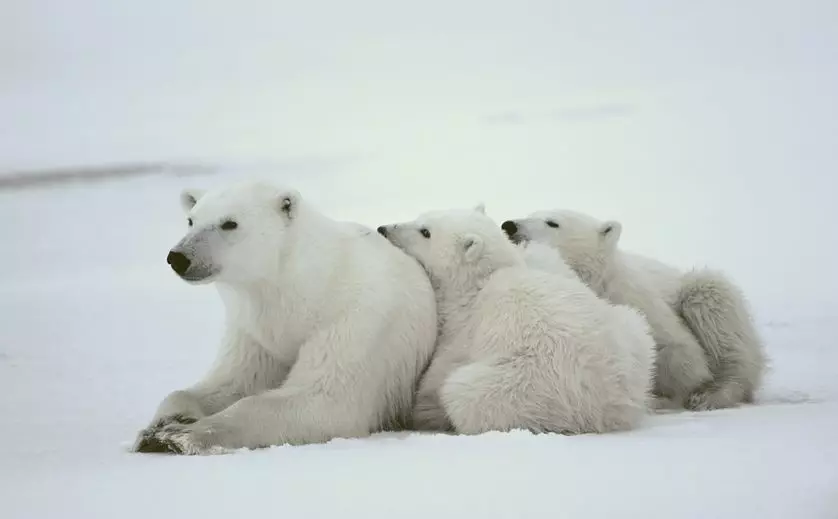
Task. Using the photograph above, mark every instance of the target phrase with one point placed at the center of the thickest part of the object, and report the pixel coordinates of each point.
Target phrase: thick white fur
(543, 257)
(709, 354)
(328, 327)
(520, 347)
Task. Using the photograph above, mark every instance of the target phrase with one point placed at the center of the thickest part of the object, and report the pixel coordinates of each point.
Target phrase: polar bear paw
(713, 396)
(699, 401)
(192, 439)
(146, 440)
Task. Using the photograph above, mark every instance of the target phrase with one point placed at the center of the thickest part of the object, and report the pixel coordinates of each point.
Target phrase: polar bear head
(456, 247)
(585, 243)
(235, 234)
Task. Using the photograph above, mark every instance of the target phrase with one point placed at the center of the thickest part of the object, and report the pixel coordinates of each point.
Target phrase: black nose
(178, 261)
(509, 228)
(382, 230)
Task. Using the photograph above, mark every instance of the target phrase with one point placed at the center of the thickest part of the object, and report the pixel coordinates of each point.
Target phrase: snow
(96, 331)
(707, 128)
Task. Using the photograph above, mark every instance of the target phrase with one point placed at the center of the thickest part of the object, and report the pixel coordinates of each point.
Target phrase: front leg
(337, 389)
(277, 417)
(243, 368)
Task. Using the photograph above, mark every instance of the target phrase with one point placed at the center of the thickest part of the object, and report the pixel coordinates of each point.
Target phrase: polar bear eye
(425, 232)
(553, 224)
(229, 225)
(189, 221)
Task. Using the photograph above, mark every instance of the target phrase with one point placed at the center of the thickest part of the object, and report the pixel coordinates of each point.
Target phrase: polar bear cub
(709, 353)
(543, 257)
(328, 327)
(519, 347)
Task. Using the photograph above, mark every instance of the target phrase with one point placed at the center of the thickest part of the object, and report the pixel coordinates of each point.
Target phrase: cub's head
(234, 234)
(584, 242)
(454, 246)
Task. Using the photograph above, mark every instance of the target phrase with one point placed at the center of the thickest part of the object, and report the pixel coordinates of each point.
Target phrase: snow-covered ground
(96, 330)
(707, 128)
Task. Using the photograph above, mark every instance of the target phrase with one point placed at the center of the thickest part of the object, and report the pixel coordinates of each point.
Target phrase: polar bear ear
(609, 232)
(190, 197)
(289, 203)
(472, 247)
(480, 208)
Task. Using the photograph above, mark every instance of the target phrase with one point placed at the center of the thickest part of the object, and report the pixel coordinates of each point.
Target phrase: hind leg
(716, 395)
(680, 363)
(680, 368)
(428, 413)
(518, 393)
(716, 312)
(481, 397)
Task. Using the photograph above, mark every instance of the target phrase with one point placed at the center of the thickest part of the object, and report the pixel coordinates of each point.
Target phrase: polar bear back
(518, 300)
(664, 279)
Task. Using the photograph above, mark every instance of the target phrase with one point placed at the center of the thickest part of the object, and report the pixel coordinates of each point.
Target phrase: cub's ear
(190, 197)
(289, 203)
(472, 247)
(480, 208)
(609, 232)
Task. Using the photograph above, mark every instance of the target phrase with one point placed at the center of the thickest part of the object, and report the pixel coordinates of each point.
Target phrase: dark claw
(173, 448)
(175, 418)
(179, 418)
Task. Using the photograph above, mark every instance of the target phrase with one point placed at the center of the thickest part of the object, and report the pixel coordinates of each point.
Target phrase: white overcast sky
(709, 128)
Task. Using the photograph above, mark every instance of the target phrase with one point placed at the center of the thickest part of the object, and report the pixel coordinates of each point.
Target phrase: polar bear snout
(190, 269)
(513, 232)
(179, 262)
(509, 227)
(395, 234)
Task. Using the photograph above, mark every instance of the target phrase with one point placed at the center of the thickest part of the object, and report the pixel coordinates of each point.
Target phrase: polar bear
(709, 353)
(543, 257)
(519, 347)
(328, 327)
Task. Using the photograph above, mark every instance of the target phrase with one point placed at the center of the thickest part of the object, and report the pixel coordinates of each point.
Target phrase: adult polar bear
(521, 347)
(709, 354)
(328, 326)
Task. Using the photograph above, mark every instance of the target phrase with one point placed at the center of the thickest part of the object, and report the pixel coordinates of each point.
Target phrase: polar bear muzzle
(513, 232)
(188, 268)
(179, 262)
